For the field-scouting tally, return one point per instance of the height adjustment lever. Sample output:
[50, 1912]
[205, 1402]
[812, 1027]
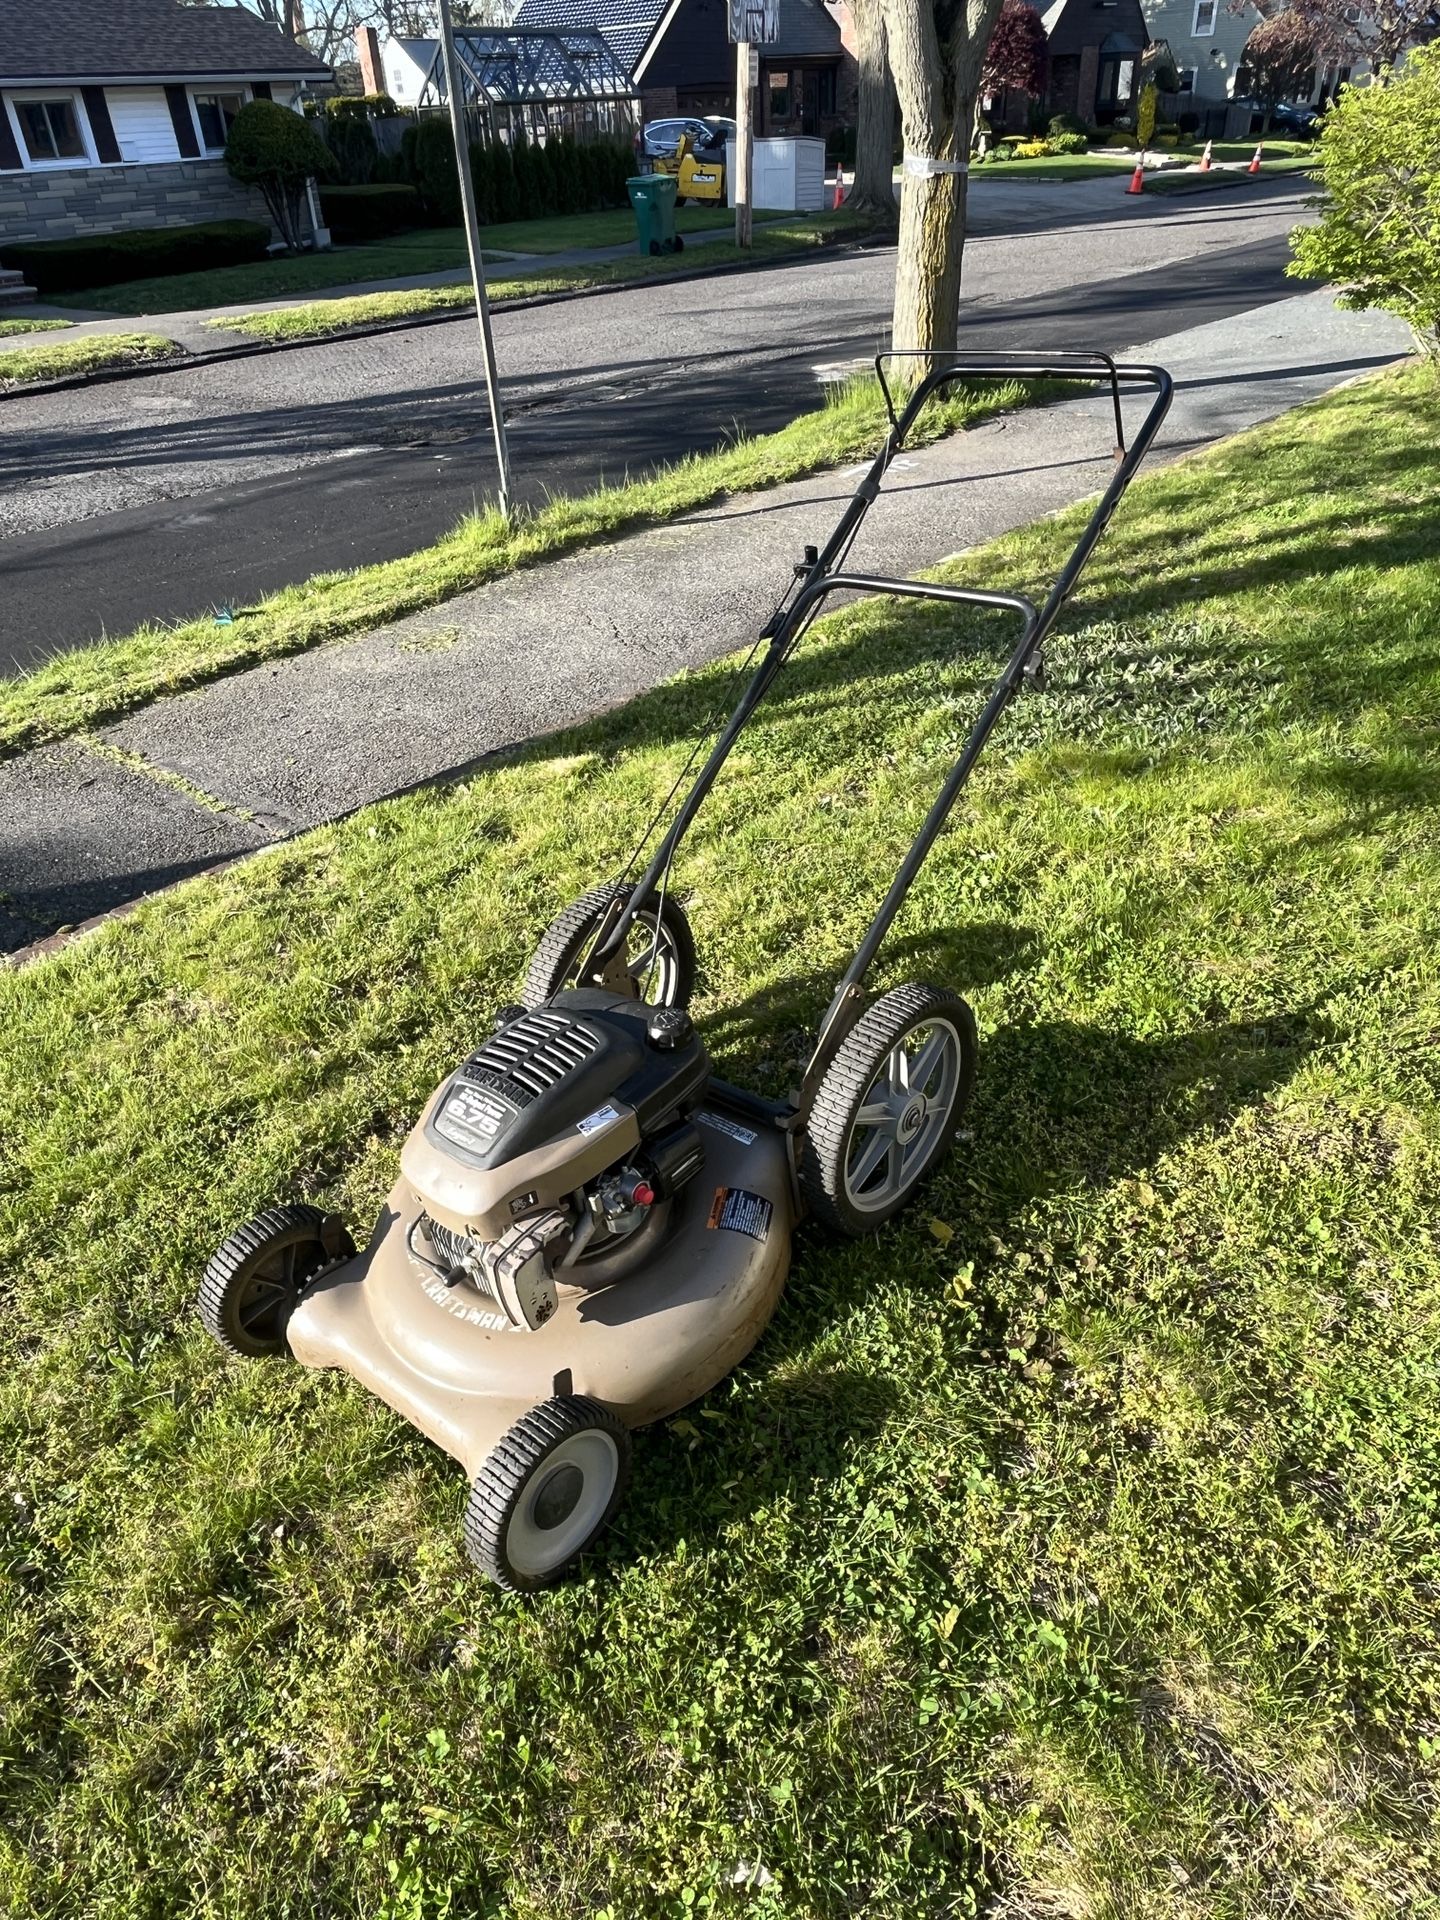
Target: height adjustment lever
[802, 567]
[1034, 671]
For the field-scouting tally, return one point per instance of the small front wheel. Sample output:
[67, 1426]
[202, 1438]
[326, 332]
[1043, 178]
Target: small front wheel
[546, 1492]
[659, 956]
[887, 1107]
[256, 1275]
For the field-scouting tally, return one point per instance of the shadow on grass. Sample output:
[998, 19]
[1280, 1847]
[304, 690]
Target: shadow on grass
[1059, 1108]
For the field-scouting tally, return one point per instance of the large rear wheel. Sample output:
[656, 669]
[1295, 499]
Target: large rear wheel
[659, 956]
[888, 1106]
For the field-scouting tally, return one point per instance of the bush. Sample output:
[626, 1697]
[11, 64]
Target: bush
[1069, 143]
[1067, 123]
[1378, 237]
[365, 213]
[278, 152]
[1031, 149]
[104, 259]
[1188, 123]
[427, 150]
[350, 140]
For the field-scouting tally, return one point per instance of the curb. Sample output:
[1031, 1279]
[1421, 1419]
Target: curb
[184, 362]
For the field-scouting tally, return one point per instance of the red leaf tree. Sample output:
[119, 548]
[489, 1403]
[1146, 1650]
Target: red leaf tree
[1278, 62]
[1015, 56]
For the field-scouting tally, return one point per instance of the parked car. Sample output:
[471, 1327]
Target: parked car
[660, 138]
[1286, 116]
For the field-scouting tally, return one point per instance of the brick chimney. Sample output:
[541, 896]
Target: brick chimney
[372, 74]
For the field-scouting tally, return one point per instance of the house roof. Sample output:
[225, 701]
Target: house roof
[112, 40]
[808, 30]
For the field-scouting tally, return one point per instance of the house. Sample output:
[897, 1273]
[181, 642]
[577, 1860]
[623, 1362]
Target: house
[1093, 50]
[679, 57]
[114, 113]
[1207, 40]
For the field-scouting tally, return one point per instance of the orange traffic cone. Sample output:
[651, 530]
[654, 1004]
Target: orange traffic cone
[1254, 166]
[1205, 159]
[1137, 179]
[839, 188]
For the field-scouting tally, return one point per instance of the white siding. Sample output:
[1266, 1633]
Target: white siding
[141, 121]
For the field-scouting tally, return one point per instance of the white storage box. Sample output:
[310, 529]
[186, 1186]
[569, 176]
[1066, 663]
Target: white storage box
[788, 175]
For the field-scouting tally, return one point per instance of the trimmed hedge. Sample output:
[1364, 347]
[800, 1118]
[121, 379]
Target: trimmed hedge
[105, 259]
[366, 213]
[520, 182]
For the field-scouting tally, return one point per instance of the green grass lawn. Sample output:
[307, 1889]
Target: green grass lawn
[773, 240]
[9, 328]
[58, 360]
[433, 250]
[1068, 1551]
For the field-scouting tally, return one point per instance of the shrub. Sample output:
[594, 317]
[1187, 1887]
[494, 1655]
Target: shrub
[364, 213]
[503, 197]
[1378, 238]
[1188, 123]
[1031, 149]
[428, 151]
[1069, 143]
[104, 259]
[350, 140]
[1067, 123]
[275, 150]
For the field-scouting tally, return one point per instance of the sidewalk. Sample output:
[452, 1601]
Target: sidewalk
[251, 759]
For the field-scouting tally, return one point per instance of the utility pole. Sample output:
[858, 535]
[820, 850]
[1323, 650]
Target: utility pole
[745, 57]
[472, 241]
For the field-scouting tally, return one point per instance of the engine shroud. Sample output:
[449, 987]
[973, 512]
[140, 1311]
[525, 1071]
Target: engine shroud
[554, 1098]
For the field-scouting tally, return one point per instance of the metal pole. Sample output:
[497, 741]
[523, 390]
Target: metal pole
[472, 241]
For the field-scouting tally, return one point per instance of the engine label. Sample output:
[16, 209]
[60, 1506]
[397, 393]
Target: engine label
[601, 1117]
[736, 1210]
[471, 1119]
[745, 1135]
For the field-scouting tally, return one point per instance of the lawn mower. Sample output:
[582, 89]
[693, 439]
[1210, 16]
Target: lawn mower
[590, 1229]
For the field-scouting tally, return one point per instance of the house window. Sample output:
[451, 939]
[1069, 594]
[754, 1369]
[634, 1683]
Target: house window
[216, 113]
[1187, 80]
[50, 130]
[779, 96]
[1204, 20]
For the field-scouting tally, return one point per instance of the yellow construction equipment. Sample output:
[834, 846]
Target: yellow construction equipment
[699, 179]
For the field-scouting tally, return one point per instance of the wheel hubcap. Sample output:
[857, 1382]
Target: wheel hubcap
[562, 1503]
[902, 1116]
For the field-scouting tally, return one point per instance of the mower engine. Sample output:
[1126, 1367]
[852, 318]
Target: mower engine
[551, 1155]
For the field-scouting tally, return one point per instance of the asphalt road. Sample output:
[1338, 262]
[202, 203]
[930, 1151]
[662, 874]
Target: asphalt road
[155, 498]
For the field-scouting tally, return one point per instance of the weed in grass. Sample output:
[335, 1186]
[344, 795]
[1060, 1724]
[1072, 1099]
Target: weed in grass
[1068, 1550]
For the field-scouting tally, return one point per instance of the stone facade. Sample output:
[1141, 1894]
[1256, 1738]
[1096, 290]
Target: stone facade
[59, 203]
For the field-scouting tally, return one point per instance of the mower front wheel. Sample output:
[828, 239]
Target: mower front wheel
[887, 1107]
[547, 1492]
[256, 1275]
[659, 956]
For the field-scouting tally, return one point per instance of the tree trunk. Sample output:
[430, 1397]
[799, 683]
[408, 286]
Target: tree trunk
[927, 265]
[937, 83]
[874, 190]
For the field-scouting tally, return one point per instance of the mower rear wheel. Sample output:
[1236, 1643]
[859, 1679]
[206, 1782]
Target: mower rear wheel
[546, 1492]
[256, 1275]
[888, 1106]
[660, 955]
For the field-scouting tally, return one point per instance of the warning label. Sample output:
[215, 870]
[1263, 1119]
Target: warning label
[734, 1210]
[745, 1135]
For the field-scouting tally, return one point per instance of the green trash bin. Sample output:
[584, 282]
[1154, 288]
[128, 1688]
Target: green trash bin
[652, 195]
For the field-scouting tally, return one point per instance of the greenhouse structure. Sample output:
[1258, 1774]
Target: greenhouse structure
[533, 81]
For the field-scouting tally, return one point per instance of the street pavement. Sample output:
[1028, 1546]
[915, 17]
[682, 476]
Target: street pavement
[157, 498]
[289, 744]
